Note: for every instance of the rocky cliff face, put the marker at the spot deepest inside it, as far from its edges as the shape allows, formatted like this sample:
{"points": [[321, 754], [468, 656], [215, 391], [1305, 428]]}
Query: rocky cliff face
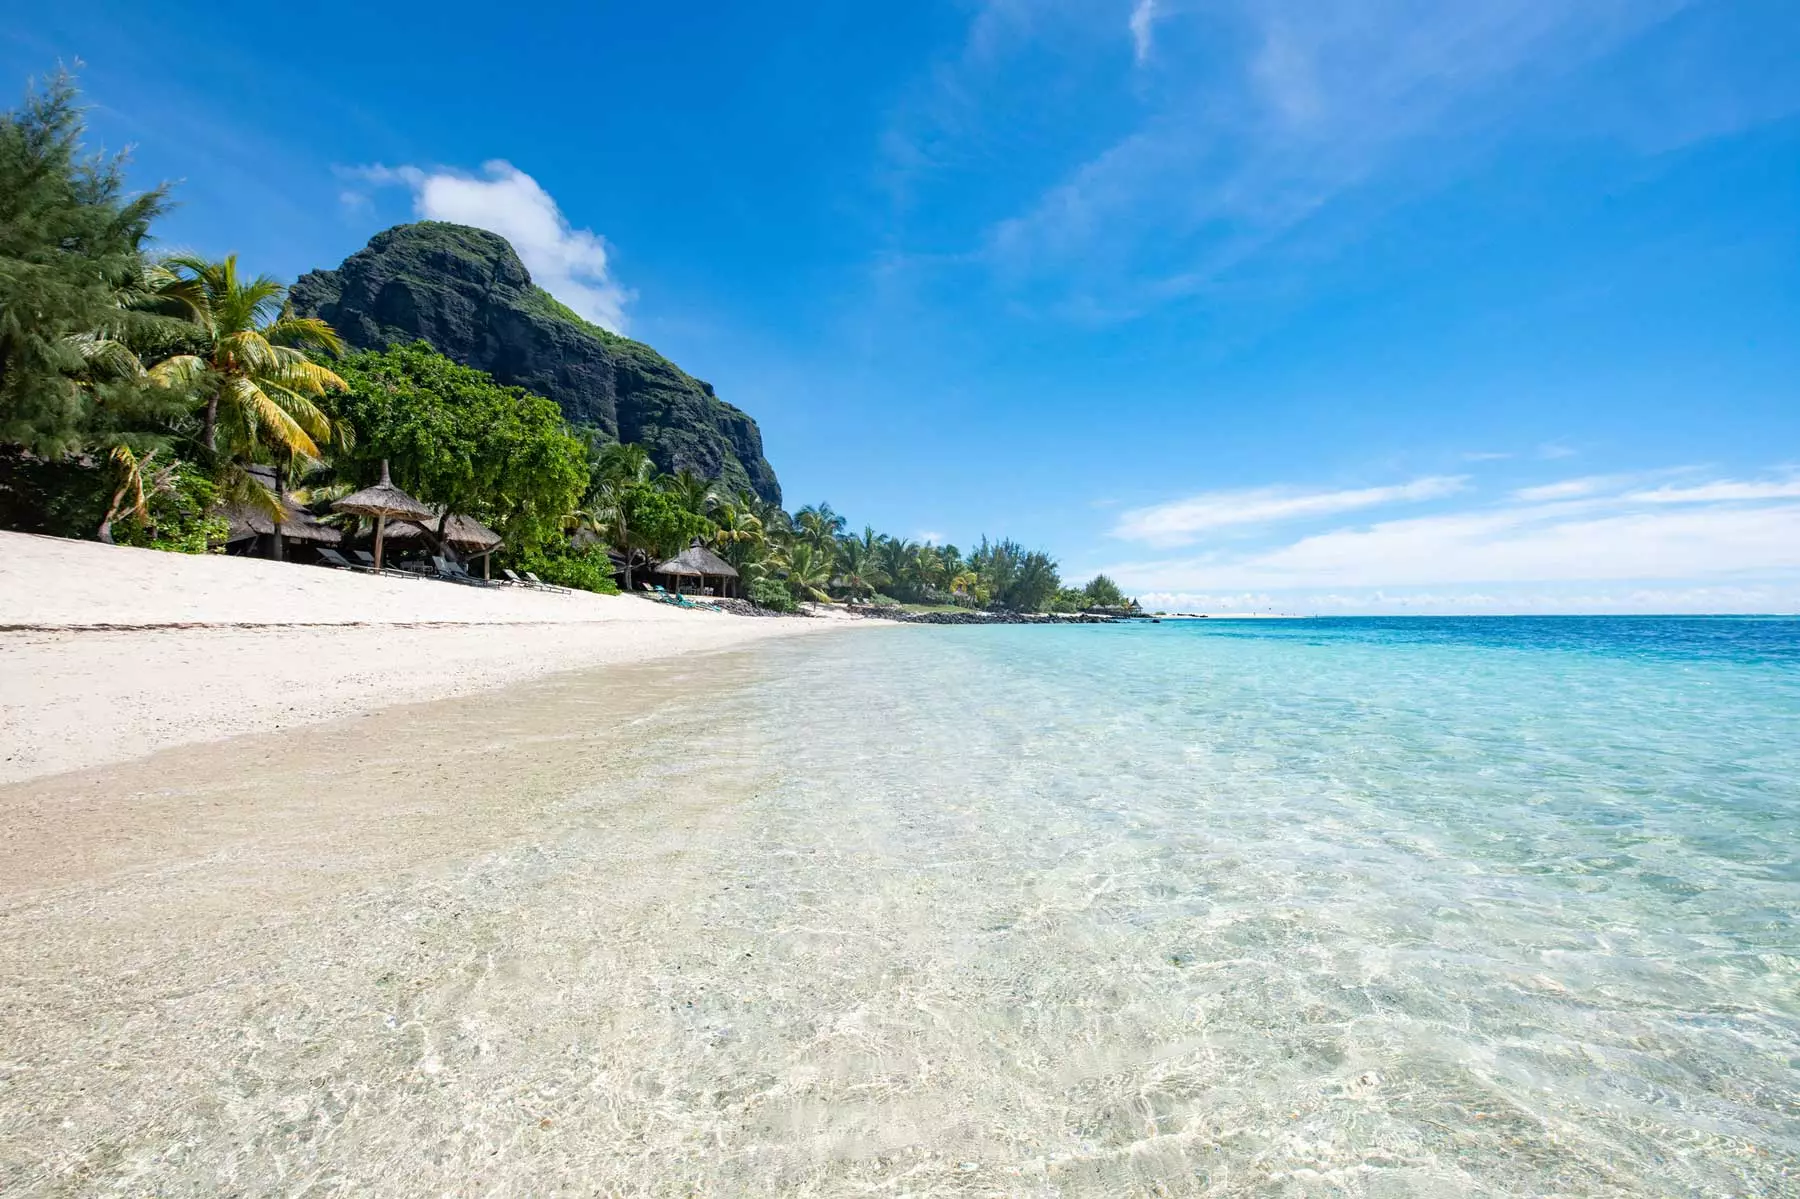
{"points": [[465, 291]]}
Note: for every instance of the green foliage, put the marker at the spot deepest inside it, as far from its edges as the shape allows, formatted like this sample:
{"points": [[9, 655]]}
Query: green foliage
{"points": [[70, 265], [180, 515], [457, 439], [583, 569], [1102, 592], [1017, 580], [659, 524], [250, 372], [771, 594]]}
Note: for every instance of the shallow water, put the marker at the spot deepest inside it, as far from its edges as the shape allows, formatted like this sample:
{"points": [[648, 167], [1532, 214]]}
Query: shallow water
{"points": [[1417, 907]]}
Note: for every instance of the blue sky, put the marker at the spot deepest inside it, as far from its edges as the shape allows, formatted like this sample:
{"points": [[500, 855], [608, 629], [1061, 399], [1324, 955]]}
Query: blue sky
{"points": [[1386, 305]]}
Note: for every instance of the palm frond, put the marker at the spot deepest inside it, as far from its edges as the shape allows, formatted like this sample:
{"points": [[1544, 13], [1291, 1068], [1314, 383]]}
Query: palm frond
{"points": [[182, 370]]}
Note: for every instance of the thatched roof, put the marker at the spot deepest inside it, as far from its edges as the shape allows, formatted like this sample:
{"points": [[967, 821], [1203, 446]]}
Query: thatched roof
{"points": [[297, 524], [697, 561], [464, 532], [384, 499]]}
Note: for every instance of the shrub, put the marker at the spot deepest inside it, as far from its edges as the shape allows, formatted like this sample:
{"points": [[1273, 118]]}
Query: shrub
{"points": [[771, 594], [585, 570], [182, 517]]}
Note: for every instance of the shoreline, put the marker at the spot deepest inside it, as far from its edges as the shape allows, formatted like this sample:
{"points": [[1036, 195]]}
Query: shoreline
{"points": [[109, 653]]}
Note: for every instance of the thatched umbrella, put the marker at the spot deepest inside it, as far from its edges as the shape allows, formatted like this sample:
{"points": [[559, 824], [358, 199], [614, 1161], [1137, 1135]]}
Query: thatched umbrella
{"points": [[696, 561], [464, 533], [382, 501]]}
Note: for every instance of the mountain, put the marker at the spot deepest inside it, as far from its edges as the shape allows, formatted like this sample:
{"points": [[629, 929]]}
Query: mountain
{"points": [[465, 291]]}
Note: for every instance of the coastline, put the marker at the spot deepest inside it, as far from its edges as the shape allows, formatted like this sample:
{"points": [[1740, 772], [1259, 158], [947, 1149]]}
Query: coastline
{"points": [[109, 653]]}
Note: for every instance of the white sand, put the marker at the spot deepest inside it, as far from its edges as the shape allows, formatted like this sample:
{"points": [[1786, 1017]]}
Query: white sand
{"points": [[108, 653]]}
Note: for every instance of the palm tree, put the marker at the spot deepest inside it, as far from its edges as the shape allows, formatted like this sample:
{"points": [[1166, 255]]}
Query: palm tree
{"points": [[857, 568], [899, 562], [608, 513], [819, 525], [135, 479], [808, 573], [622, 462], [251, 369], [691, 490], [736, 533]]}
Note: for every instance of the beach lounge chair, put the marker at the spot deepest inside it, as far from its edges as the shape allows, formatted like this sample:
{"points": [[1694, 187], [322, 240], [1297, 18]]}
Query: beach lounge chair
{"points": [[509, 577], [453, 572], [337, 561], [537, 582]]}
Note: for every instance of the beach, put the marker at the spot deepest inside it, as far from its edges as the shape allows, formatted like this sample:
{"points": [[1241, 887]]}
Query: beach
{"points": [[108, 653], [1400, 908]]}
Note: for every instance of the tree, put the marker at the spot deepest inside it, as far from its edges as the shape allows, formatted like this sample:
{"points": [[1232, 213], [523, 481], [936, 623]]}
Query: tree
{"points": [[455, 438], [690, 490], [1102, 592], [70, 267], [657, 523], [250, 370], [622, 462], [818, 526], [1016, 580], [737, 533], [858, 570], [808, 572]]}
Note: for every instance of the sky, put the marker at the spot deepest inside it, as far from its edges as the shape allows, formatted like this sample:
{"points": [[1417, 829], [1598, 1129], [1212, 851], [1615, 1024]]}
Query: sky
{"points": [[1309, 306]]}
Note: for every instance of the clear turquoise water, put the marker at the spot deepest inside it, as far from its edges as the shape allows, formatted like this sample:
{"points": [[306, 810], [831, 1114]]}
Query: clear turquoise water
{"points": [[1420, 906]]}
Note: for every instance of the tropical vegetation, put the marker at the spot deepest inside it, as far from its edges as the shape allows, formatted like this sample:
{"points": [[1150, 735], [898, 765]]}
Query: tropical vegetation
{"points": [[143, 397]]}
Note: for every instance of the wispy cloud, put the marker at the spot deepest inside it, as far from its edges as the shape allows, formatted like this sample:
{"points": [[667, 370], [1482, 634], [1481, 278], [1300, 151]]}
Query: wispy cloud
{"points": [[571, 264], [1181, 521], [1721, 492], [1256, 123], [1566, 489], [1723, 533], [1143, 29]]}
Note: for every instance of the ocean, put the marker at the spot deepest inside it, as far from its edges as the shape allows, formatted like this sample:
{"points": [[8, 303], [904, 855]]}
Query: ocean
{"points": [[1339, 906], [1415, 907]]}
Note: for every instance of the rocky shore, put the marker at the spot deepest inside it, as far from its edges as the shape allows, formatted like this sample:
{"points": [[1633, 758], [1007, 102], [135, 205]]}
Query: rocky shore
{"points": [[904, 616]]}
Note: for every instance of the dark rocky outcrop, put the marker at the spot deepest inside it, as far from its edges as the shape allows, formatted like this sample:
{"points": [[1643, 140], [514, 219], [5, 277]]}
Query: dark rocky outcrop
{"points": [[465, 291]]}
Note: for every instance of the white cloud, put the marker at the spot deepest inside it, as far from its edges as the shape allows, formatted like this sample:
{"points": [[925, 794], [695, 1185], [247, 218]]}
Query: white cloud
{"points": [[1721, 492], [1178, 522], [929, 537], [1706, 542], [1143, 29], [1555, 449], [1761, 598], [1568, 489], [571, 264]]}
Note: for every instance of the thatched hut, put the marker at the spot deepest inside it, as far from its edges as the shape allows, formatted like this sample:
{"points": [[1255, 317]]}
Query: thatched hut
{"points": [[255, 530], [695, 566]]}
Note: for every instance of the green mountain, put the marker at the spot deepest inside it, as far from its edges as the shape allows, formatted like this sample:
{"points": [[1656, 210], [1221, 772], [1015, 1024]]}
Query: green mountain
{"points": [[465, 291]]}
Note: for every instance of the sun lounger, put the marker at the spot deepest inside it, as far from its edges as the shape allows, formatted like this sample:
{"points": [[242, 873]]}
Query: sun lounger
{"points": [[337, 561], [453, 572], [537, 582]]}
